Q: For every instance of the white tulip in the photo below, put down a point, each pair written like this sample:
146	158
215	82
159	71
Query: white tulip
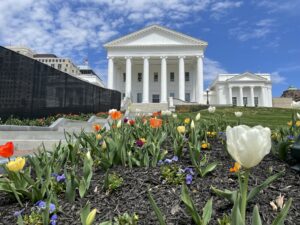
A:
198	117
192	125
166	113
298	116
295	105
174	115
111	110
238	114
211	109
119	123
248	146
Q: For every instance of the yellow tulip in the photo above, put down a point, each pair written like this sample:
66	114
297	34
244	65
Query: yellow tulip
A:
16	165
98	136
187	120
143	140
290	123
181	129
91	217
298	123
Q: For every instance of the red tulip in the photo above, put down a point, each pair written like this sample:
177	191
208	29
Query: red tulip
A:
7	150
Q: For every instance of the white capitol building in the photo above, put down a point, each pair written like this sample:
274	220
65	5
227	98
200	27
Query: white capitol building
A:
155	63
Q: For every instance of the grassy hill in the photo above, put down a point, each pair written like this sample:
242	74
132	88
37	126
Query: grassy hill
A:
267	117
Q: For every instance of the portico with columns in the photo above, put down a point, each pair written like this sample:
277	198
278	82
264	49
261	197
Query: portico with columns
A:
246	89
155	63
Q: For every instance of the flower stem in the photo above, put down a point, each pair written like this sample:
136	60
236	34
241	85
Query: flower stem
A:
244	192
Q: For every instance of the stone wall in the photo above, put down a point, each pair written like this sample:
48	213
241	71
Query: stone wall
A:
282	102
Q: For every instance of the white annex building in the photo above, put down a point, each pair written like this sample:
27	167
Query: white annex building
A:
155	63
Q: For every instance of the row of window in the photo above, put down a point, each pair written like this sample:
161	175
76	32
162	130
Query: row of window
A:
51	60
156	97
155	77
245	101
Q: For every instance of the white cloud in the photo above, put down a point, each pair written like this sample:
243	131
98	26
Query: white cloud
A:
245	31
277	78
289	7
212	69
221	8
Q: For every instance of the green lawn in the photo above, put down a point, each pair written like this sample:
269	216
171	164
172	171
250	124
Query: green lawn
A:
267	117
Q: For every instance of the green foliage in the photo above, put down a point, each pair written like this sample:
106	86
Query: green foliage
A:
112	182
158	213
225	220
172	174
191	208
87	216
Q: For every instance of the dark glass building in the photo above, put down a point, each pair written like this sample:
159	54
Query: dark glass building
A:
31	89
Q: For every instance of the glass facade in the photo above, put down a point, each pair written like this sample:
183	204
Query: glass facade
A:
29	88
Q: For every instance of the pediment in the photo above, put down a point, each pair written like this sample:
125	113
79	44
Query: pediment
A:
247	77
155	36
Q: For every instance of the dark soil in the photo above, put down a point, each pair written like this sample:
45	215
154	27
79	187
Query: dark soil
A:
132	195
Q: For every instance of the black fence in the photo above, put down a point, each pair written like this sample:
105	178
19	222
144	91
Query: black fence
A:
32	89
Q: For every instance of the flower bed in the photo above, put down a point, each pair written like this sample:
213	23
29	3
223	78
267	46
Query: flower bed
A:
149	167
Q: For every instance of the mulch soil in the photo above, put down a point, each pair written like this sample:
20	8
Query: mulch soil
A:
132	195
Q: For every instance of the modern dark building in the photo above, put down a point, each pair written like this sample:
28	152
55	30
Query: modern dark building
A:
29	88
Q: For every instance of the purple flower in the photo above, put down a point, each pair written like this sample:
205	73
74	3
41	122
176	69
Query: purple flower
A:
189	170
188	179
53	219
125	120
175	158
19	213
290	137
139	143
42	205
60	178
168	161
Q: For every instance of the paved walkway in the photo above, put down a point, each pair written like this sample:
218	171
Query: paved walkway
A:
27	142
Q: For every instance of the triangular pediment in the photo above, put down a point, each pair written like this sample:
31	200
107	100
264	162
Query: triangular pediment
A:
155	36
247	77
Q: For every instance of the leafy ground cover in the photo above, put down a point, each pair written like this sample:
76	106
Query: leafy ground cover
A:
161	169
47	121
267	117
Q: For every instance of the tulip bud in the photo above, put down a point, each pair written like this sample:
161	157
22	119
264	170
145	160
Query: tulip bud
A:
298	116
104	145
198	117
174	115
98	136
119	124
192	125
91	217
88	155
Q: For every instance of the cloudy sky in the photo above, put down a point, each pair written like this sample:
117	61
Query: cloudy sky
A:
249	35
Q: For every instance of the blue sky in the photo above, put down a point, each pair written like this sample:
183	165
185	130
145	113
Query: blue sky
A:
252	35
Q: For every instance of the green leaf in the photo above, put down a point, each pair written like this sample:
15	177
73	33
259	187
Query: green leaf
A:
106	223
20	220
84	212
279	220
157	211
207	211
260	187
229	195
190	205
256	217
82	188
236	217
209	168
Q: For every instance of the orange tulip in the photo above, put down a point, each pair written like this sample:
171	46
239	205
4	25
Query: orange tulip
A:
97	127
7	150
156	114
115	115
236	168
155	123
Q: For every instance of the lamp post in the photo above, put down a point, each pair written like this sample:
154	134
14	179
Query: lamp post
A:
207	102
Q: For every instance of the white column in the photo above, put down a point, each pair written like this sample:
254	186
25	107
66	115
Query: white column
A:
230	95
199	80
251	96
241	96
163	83
146	80
181	78
270	96
263	97
110	78
128	77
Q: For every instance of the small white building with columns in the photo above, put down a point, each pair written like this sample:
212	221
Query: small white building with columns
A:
155	63
246	89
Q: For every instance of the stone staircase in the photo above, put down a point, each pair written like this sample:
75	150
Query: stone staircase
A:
147	107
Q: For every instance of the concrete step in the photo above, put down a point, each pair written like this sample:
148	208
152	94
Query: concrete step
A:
148	107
